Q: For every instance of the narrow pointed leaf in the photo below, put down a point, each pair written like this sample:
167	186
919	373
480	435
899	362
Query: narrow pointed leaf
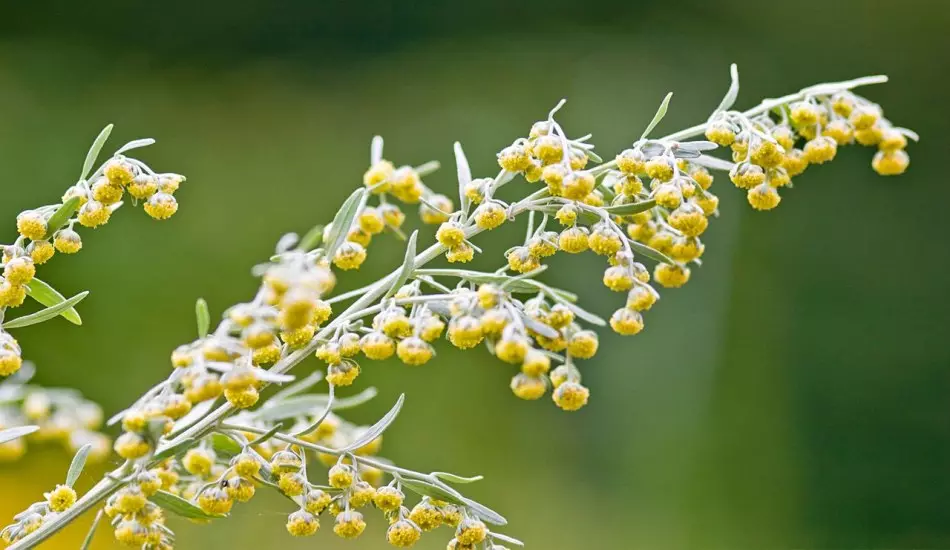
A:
649	252
378	428
506	538
265	436
452	478
429	167
660	113
376	150
312	238
343	221
135	144
93	153
464	175
730	98
15	433
45	294
180	506
225	445
61	216
87	542
408	265
176	449
309	405
632	208
46	314
78	463
203	317
427	489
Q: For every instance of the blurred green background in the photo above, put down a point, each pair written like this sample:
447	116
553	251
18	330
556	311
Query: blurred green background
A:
793	395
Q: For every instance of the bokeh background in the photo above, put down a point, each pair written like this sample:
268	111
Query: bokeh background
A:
793	395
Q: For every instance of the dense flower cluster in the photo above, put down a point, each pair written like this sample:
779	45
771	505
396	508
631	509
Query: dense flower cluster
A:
205	438
62	417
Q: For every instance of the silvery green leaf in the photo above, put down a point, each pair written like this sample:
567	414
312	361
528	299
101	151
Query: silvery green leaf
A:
308	405
225	445
196	413
427	168
630	209
730	98
343	221
452	478
653	148
506	538
698	145
48	296
649	252
660	113
77	465
286	242
519	286
376	150
427	489
15	433
712	162
312	238
910	134
45	314
464	175
538	327
62	215
203	317
265	436
92	531
180	506
505	178
594	157
376	429
93	153
273	377
176	449
408	265
135	144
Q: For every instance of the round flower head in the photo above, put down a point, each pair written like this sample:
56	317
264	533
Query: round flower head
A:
514	158
571	396
40	251
840	131
342	374
583	344
521	260
803	113
93	214
393	216
864	116
403	534
471	532
668	195
577	185
350	255
604	241
892	140
131	446
767	154
285	462
465	332
316	501
689	220
246	465
626	321
618	278
763	197
106	192
641	298
671	275
67	241
10	362
890	163
450	234
548	149
131	533
460	254
388	499
489	215
240	489
161	206
61	498
302	524
512	348
820	150
19	271
378	346
215	501
438	209
11	295
720	133
686	249
341	476
528	387
371	221
573	240
746	176
553	176
198	461
361	494
292	484
426	515
378	174
536	363
414	351
119	172
349	524
143	186
31	225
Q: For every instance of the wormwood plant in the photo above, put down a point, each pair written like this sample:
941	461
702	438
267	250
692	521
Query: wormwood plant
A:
205	437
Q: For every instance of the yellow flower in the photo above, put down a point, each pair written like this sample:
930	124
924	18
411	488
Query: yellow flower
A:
668	195
465	332
215	501
349	524
689	220
61	498
19	271
31	225
577	185
460	254
67	241
426	515
536	363
660	168
93	214
571	396
471	532
746	176
626	321
198	461
292	484
763	197
350	255
388	499
890	163
450	234
402	534
443	209
618	278
720	133
41	251
161	206
573	240
489	215
641	298
583	344
604	240
342	374
414	351
514	158
378	346
302	524
671	275
316	501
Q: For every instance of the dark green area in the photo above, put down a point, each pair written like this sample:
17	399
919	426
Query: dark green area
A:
793	395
